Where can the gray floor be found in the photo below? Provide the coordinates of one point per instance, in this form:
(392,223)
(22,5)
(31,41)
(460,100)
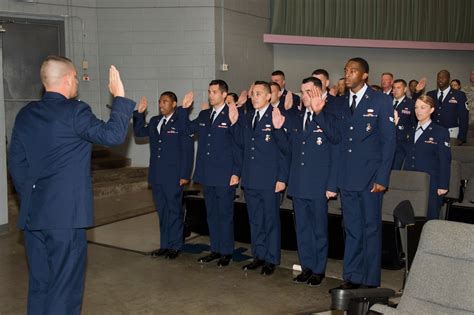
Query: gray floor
(121,281)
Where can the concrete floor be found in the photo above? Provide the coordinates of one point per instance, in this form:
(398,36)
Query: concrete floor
(120,281)
(124,282)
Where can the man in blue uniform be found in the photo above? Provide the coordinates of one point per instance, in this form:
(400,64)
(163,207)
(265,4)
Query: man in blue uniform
(323,76)
(366,155)
(278,77)
(452,110)
(218,167)
(405,119)
(264,177)
(50,163)
(171,163)
(313,136)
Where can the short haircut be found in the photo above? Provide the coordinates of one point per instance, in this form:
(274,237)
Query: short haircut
(265,85)
(362,62)
(387,73)
(47,75)
(445,71)
(314,80)
(171,95)
(234,96)
(278,72)
(223,87)
(321,71)
(275,85)
(341,79)
(427,100)
(457,81)
(400,81)
(413,80)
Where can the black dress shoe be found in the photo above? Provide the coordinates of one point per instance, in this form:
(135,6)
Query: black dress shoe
(346,286)
(172,254)
(207,259)
(267,269)
(315,279)
(303,276)
(254,264)
(224,261)
(159,252)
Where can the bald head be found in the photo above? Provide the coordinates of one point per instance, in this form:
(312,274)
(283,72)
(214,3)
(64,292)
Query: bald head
(58,74)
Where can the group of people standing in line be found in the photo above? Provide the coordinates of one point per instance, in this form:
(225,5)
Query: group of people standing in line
(267,140)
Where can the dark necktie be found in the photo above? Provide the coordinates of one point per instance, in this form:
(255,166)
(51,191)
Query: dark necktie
(354,104)
(256,119)
(308,120)
(163,123)
(211,120)
(395,105)
(440,99)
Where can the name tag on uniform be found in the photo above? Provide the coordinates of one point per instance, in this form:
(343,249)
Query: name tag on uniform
(430,141)
(223,125)
(453,100)
(406,111)
(172,131)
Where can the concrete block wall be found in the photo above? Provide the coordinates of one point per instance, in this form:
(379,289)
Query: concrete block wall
(249,59)
(157,46)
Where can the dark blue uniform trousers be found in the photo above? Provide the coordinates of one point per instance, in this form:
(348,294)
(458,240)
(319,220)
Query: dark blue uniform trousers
(434,201)
(312,232)
(362,217)
(263,206)
(220,217)
(57,263)
(168,202)
(399,157)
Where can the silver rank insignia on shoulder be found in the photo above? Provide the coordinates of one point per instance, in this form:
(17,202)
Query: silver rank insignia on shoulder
(368,128)
(447,144)
(267,138)
(319,141)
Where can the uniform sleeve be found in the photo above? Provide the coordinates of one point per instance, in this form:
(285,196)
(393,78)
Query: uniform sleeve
(109,133)
(140,128)
(187,155)
(463,114)
(386,127)
(281,140)
(444,155)
(237,153)
(17,161)
(190,126)
(327,122)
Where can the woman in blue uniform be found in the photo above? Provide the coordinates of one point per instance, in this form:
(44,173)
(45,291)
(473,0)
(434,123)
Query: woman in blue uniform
(429,151)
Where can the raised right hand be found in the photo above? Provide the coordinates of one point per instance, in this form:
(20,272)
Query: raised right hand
(115,83)
(142,104)
(188,99)
(288,100)
(421,85)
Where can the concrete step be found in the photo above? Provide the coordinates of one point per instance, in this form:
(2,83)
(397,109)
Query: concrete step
(126,173)
(108,162)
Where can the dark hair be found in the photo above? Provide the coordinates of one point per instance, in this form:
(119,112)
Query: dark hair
(445,71)
(314,80)
(400,81)
(321,71)
(341,79)
(387,73)
(234,96)
(413,80)
(170,95)
(278,72)
(275,84)
(457,81)
(265,85)
(223,87)
(362,62)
